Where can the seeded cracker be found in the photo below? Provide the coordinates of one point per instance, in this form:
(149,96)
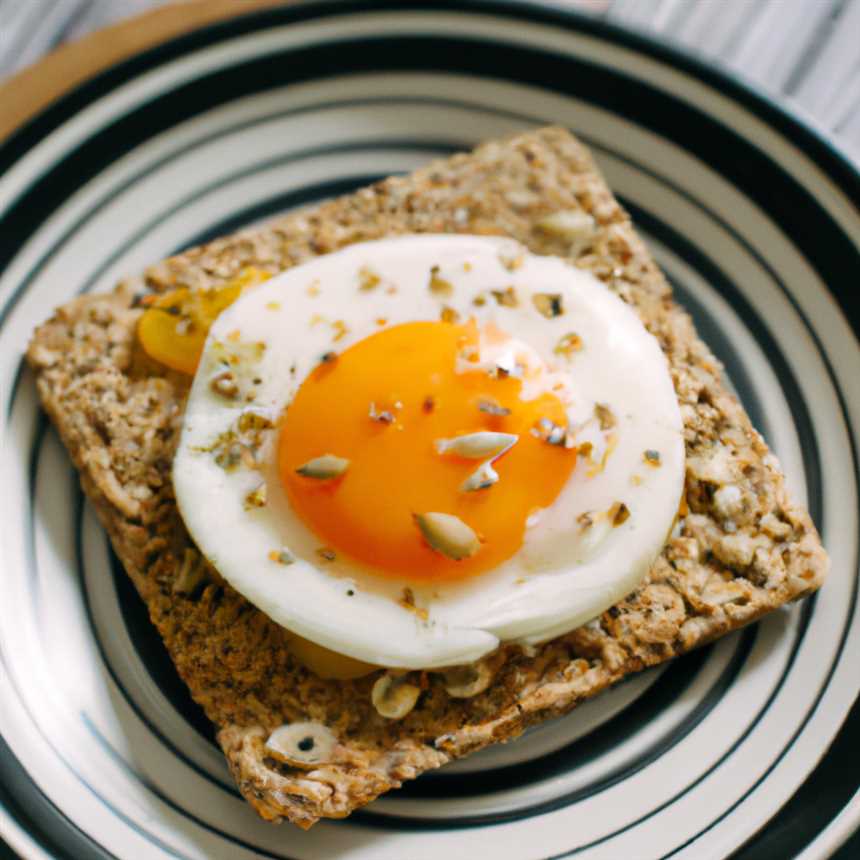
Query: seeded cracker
(740,547)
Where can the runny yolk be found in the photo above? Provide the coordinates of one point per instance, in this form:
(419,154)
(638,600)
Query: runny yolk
(395,471)
(173,328)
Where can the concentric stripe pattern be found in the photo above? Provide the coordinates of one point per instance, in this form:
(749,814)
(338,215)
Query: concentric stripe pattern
(235,124)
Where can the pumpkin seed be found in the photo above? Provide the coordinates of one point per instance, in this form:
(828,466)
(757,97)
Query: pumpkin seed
(548,304)
(394,697)
(476,446)
(568,344)
(481,479)
(324,468)
(448,535)
(492,407)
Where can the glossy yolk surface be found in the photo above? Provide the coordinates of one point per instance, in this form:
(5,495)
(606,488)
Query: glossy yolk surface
(395,470)
(173,328)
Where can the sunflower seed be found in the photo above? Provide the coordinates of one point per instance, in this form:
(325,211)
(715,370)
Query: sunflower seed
(548,304)
(324,468)
(256,498)
(476,446)
(481,479)
(439,286)
(619,513)
(507,298)
(492,407)
(225,384)
(568,344)
(604,416)
(448,535)
(383,417)
(652,457)
(394,697)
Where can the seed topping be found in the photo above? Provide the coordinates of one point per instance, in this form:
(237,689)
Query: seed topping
(568,344)
(548,304)
(476,446)
(652,457)
(225,384)
(256,498)
(448,535)
(439,286)
(492,407)
(324,468)
(507,298)
(619,513)
(605,416)
(481,479)
(383,416)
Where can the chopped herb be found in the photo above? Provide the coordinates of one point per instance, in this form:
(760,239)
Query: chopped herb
(449,315)
(326,554)
(281,556)
(328,358)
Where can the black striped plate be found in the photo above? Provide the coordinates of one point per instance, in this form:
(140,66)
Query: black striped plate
(754,218)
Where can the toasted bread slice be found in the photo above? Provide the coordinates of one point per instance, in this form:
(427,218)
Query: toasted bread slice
(740,547)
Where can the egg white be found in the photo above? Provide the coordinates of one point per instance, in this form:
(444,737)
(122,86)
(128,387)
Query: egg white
(562,576)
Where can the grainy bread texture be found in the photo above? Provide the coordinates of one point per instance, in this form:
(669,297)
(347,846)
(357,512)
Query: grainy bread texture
(740,547)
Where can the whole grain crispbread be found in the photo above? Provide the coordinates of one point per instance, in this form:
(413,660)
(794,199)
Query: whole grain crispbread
(740,547)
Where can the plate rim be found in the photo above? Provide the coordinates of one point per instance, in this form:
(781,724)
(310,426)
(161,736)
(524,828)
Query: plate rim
(790,121)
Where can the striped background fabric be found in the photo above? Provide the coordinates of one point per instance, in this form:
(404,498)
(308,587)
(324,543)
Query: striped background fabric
(805,51)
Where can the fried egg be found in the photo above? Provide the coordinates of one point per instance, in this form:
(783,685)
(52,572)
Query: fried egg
(411,450)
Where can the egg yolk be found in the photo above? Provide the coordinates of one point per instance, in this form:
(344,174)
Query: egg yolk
(174,326)
(382,405)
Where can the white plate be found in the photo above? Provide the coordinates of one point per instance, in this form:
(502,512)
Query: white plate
(752,216)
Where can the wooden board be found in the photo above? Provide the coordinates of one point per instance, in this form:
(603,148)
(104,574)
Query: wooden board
(34,88)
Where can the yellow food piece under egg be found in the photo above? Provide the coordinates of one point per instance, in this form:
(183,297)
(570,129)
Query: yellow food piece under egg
(173,328)
(326,664)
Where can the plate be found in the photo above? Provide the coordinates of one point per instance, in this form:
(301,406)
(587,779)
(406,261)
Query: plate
(753,217)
